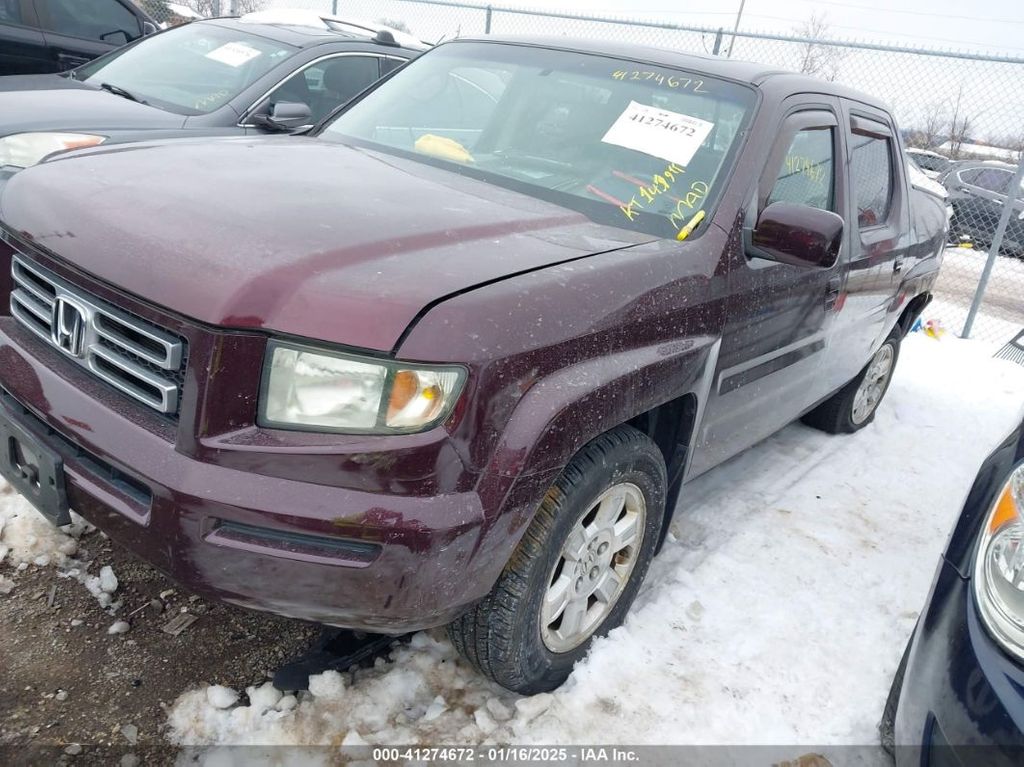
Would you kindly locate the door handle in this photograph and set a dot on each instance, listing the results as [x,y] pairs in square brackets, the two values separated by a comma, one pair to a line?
[832,288]
[897,264]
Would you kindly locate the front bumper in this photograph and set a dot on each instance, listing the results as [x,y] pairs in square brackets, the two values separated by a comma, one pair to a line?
[962,701]
[367,560]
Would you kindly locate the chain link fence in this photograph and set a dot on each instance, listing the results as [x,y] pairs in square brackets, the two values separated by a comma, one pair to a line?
[962,116]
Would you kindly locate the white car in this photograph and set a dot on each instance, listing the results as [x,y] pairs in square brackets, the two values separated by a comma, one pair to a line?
[932,164]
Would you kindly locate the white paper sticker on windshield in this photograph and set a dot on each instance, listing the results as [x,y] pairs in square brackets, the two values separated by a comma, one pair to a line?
[658,132]
[234,54]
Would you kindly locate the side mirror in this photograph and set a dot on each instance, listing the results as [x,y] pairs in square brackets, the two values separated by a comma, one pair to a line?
[117,37]
[285,116]
[797,234]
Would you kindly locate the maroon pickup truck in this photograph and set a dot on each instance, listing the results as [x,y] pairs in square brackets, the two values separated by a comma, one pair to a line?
[452,359]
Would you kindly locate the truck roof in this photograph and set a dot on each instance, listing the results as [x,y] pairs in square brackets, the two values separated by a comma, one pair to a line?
[777,79]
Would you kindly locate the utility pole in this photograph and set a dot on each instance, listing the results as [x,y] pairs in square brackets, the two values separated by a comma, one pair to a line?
[735,29]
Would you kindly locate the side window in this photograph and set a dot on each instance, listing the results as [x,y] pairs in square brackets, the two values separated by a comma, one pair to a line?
[807,176]
[10,12]
[104,20]
[970,176]
[389,65]
[871,171]
[994,180]
[328,84]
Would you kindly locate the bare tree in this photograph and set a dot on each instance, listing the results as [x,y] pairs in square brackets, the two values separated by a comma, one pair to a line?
[959,125]
[223,7]
[816,58]
[934,128]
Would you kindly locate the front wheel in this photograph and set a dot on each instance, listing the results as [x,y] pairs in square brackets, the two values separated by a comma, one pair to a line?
[854,406]
[577,569]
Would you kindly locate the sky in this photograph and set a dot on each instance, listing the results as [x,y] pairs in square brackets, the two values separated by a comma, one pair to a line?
[995,26]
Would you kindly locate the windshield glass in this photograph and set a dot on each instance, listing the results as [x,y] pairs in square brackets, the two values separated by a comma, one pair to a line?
[626,143]
[192,69]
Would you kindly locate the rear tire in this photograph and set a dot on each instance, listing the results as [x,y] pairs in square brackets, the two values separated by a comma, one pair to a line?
[576,570]
[854,406]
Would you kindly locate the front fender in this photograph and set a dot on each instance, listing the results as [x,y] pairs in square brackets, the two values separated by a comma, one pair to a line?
[561,414]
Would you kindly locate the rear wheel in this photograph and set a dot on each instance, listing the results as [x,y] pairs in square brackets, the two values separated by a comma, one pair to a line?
[854,406]
[577,569]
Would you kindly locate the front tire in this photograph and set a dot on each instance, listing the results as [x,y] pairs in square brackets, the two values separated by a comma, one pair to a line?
[854,406]
[576,570]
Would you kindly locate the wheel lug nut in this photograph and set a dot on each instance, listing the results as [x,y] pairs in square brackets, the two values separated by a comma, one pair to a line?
[602,548]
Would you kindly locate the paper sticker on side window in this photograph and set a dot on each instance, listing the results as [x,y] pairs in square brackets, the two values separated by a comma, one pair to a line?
[658,132]
[233,54]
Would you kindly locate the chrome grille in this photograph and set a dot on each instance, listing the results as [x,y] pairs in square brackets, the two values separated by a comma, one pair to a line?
[132,355]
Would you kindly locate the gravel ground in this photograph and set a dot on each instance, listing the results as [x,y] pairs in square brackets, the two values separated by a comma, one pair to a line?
[65,684]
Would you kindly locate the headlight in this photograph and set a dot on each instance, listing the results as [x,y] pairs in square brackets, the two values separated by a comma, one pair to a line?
[23,150]
[999,567]
[317,390]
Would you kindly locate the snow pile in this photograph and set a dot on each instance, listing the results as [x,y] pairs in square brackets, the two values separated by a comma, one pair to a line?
[27,537]
[423,695]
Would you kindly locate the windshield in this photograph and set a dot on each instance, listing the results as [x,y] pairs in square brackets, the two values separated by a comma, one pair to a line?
[626,143]
[191,70]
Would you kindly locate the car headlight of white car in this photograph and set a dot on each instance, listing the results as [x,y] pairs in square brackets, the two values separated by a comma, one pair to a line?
[23,150]
[999,567]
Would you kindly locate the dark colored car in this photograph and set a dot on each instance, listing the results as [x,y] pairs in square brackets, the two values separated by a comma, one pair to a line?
[979,191]
[958,696]
[221,76]
[40,36]
[450,360]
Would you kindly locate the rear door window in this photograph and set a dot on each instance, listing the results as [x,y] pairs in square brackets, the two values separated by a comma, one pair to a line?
[871,171]
[105,20]
[807,176]
[994,180]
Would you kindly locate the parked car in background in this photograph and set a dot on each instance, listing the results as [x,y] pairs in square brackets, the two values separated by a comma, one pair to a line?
[451,359]
[226,76]
[921,180]
[932,163]
[40,36]
[958,695]
[978,192]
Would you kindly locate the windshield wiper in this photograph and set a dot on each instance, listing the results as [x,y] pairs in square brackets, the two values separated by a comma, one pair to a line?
[119,91]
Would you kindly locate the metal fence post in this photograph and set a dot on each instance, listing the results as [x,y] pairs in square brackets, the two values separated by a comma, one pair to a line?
[334,8]
[487,21]
[993,251]
[718,42]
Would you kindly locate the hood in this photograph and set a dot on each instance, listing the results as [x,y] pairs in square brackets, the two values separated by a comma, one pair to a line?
[920,180]
[54,103]
[293,235]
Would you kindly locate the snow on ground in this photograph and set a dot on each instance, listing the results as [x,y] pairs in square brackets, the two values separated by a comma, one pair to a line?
[28,539]
[776,614]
